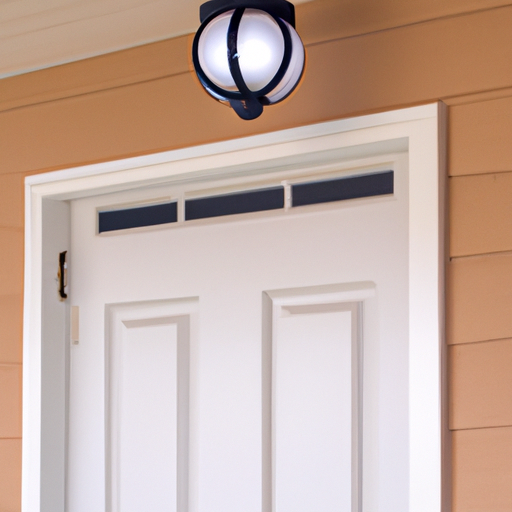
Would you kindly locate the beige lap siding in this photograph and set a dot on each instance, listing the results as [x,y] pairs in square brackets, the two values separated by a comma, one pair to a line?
[480,304]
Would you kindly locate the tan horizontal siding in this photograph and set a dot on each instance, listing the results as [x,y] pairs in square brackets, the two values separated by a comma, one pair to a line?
[133,120]
[481,384]
[11,261]
[481,213]
[334,19]
[482,475]
[10,475]
[10,401]
[479,298]
[10,326]
[141,64]
[442,58]
[479,303]
[11,200]
[480,137]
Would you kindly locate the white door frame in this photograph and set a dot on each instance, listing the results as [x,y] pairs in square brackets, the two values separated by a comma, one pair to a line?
[46,337]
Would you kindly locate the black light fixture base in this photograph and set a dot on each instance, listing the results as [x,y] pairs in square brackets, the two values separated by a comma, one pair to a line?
[247,109]
[281,8]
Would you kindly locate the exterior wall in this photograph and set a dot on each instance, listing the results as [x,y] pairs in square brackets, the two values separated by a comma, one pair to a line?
[362,58]
[479,303]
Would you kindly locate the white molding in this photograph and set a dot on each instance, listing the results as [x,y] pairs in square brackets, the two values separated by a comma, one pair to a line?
[420,126]
[326,294]
[233,147]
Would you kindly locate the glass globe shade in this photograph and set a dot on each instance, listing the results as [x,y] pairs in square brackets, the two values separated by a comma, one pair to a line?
[212,52]
[294,71]
[260,48]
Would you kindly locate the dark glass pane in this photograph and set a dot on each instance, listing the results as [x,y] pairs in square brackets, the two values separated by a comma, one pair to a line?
[342,188]
[231,204]
[152,215]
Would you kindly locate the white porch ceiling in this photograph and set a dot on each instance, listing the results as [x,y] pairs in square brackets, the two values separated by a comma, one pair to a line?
[35,34]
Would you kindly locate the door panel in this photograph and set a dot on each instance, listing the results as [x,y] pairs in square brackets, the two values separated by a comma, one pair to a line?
[315,400]
[225,408]
[148,347]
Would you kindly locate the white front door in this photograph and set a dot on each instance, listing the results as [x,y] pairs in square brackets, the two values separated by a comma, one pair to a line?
[247,363]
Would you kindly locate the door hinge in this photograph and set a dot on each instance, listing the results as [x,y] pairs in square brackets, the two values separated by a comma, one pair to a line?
[62,275]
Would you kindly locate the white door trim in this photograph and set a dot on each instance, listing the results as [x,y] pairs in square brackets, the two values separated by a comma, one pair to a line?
[316,146]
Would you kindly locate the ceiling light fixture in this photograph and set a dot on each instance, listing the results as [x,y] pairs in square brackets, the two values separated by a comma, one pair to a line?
[247,53]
